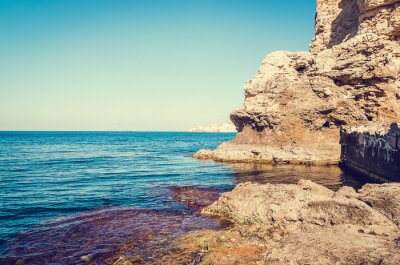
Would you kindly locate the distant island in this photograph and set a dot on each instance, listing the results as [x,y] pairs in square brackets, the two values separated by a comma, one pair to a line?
[215,127]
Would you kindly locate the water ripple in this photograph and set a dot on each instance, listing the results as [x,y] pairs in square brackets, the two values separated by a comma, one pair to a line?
[45,176]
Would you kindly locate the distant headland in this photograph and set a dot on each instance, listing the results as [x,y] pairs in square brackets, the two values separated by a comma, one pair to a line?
[215,127]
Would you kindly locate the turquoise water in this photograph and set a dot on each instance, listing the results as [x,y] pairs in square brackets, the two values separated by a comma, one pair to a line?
[45,174]
[53,183]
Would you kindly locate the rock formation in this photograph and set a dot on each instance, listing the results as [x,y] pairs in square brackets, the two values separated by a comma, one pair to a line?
[297,101]
[298,224]
[373,151]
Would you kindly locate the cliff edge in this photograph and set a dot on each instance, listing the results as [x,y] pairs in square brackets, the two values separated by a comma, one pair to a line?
[297,102]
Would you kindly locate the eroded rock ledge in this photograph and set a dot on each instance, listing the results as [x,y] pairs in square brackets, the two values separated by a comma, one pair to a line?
[298,224]
[297,101]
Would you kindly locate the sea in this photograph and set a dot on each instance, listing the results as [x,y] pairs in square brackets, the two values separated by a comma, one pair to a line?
[87,197]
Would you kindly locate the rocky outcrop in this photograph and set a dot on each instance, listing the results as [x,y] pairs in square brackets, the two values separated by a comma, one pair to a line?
[298,224]
[384,198]
[216,127]
[297,101]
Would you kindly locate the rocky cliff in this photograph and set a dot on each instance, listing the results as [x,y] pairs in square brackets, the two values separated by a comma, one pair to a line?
[297,101]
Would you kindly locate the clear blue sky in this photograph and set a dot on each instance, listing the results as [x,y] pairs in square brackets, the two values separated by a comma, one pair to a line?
[137,65]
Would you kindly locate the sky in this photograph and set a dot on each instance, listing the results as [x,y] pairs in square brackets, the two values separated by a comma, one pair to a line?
[140,64]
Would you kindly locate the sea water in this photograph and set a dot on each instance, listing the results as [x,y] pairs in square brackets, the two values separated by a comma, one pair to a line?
[56,187]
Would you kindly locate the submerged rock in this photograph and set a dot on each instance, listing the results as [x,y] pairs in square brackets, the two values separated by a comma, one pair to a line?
[109,235]
[297,224]
[123,260]
[297,101]
[195,198]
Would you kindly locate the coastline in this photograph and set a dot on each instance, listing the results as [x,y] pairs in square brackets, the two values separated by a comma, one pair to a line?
[303,223]
[269,187]
[174,235]
[294,111]
[245,153]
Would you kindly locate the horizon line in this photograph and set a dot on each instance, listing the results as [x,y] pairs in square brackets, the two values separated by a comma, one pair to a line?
[106,131]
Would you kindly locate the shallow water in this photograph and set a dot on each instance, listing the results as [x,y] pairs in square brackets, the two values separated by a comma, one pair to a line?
[70,197]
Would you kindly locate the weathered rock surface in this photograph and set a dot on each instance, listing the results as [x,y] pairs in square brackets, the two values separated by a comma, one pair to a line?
[297,101]
[384,198]
[373,151]
[298,224]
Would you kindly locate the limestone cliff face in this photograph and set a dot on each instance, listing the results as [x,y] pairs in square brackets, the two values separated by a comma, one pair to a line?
[296,103]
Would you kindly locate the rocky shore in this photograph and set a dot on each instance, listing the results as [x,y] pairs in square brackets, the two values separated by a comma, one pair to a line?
[293,113]
[303,223]
[297,102]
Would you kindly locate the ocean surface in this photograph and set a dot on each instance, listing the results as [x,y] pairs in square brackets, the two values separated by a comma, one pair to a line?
[71,197]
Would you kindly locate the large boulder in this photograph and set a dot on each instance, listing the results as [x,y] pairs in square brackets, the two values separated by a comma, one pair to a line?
[310,224]
[302,223]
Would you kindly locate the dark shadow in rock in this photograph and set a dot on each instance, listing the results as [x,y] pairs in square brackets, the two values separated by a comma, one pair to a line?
[346,24]
[332,177]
